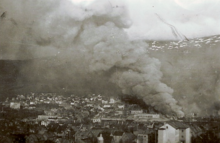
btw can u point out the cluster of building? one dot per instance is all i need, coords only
(197, 42)
(94, 118)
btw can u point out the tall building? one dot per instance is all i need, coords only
(174, 132)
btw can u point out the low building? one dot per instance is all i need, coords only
(15, 105)
(32, 103)
(142, 137)
(100, 139)
(117, 135)
(112, 101)
(106, 106)
(147, 116)
(136, 111)
(121, 106)
(96, 120)
(104, 102)
(89, 105)
(119, 112)
(45, 123)
(46, 117)
(84, 136)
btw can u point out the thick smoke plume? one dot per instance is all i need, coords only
(81, 48)
(192, 69)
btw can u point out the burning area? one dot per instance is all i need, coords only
(81, 49)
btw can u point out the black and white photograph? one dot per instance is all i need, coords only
(109, 71)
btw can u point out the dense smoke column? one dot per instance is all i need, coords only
(84, 43)
(134, 71)
(193, 72)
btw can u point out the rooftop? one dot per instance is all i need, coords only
(178, 125)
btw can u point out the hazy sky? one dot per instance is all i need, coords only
(192, 18)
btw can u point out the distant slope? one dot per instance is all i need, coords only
(10, 77)
(49, 75)
(210, 41)
(192, 69)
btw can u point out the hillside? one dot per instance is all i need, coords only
(192, 69)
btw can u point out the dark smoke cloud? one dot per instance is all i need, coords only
(82, 48)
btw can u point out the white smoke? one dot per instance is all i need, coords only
(91, 40)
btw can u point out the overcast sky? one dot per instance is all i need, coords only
(192, 18)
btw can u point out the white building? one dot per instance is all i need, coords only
(119, 112)
(174, 132)
(47, 117)
(72, 103)
(100, 139)
(45, 123)
(106, 106)
(32, 103)
(96, 120)
(15, 105)
(147, 116)
(142, 138)
(104, 101)
(136, 111)
(112, 101)
(121, 106)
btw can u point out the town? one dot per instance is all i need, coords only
(53, 117)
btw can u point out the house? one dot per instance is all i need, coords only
(106, 106)
(109, 110)
(99, 98)
(46, 117)
(100, 139)
(84, 136)
(128, 137)
(173, 132)
(31, 107)
(47, 102)
(119, 112)
(104, 101)
(104, 137)
(142, 136)
(117, 135)
(89, 104)
(35, 138)
(86, 99)
(32, 103)
(45, 123)
(15, 105)
(112, 101)
(96, 120)
(121, 106)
